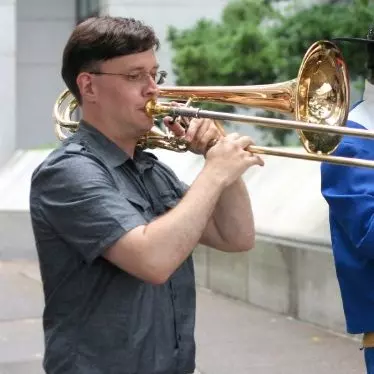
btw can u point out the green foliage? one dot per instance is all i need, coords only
(326, 21)
(254, 44)
(234, 51)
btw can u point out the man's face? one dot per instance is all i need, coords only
(123, 88)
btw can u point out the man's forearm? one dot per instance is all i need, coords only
(170, 239)
(233, 217)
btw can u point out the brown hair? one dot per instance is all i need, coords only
(102, 38)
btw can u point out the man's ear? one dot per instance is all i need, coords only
(86, 87)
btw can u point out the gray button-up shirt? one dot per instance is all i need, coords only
(99, 319)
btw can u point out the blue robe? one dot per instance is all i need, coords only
(349, 192)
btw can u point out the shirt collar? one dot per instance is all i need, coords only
(110, 152)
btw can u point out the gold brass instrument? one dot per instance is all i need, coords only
(318, 98)
(66, 104)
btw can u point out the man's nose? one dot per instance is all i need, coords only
(152, 88)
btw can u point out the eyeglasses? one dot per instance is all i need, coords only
(139, 77)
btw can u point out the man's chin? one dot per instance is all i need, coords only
(146, 121)
(144, 127)
(148, 125)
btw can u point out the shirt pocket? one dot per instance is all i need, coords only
(169, 199)
(141, 205)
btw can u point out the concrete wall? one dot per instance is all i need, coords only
(7, 78)
(43, 27)
(286, 279)
(17, 241)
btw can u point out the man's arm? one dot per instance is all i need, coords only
(76, 196)
(231, 227)
(153, 252)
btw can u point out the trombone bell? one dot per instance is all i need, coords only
(319, 95)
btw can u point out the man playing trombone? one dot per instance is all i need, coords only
(349, 192)
(115, 228)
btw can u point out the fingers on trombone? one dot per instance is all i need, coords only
(204, 134)
(232, 136)
(174, 126)
(244, 141)
(182, 121)
(192, 130)
(257, 160)
(170, 120)
(211, 143)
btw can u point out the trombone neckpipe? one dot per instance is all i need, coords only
(277, 97)
(262, 121)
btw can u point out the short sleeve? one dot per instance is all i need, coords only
(183, 187)
(172, 179)
(78, 198)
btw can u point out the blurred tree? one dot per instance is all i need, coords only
(253, 43)
(232, 51)
(338, 18)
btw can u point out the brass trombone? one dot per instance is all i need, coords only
(318, 98)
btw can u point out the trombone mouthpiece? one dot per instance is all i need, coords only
(154, 109)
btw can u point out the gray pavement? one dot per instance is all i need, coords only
(232, 337)
(21, 302)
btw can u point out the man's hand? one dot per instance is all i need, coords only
(201, 134)
(230, 158)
